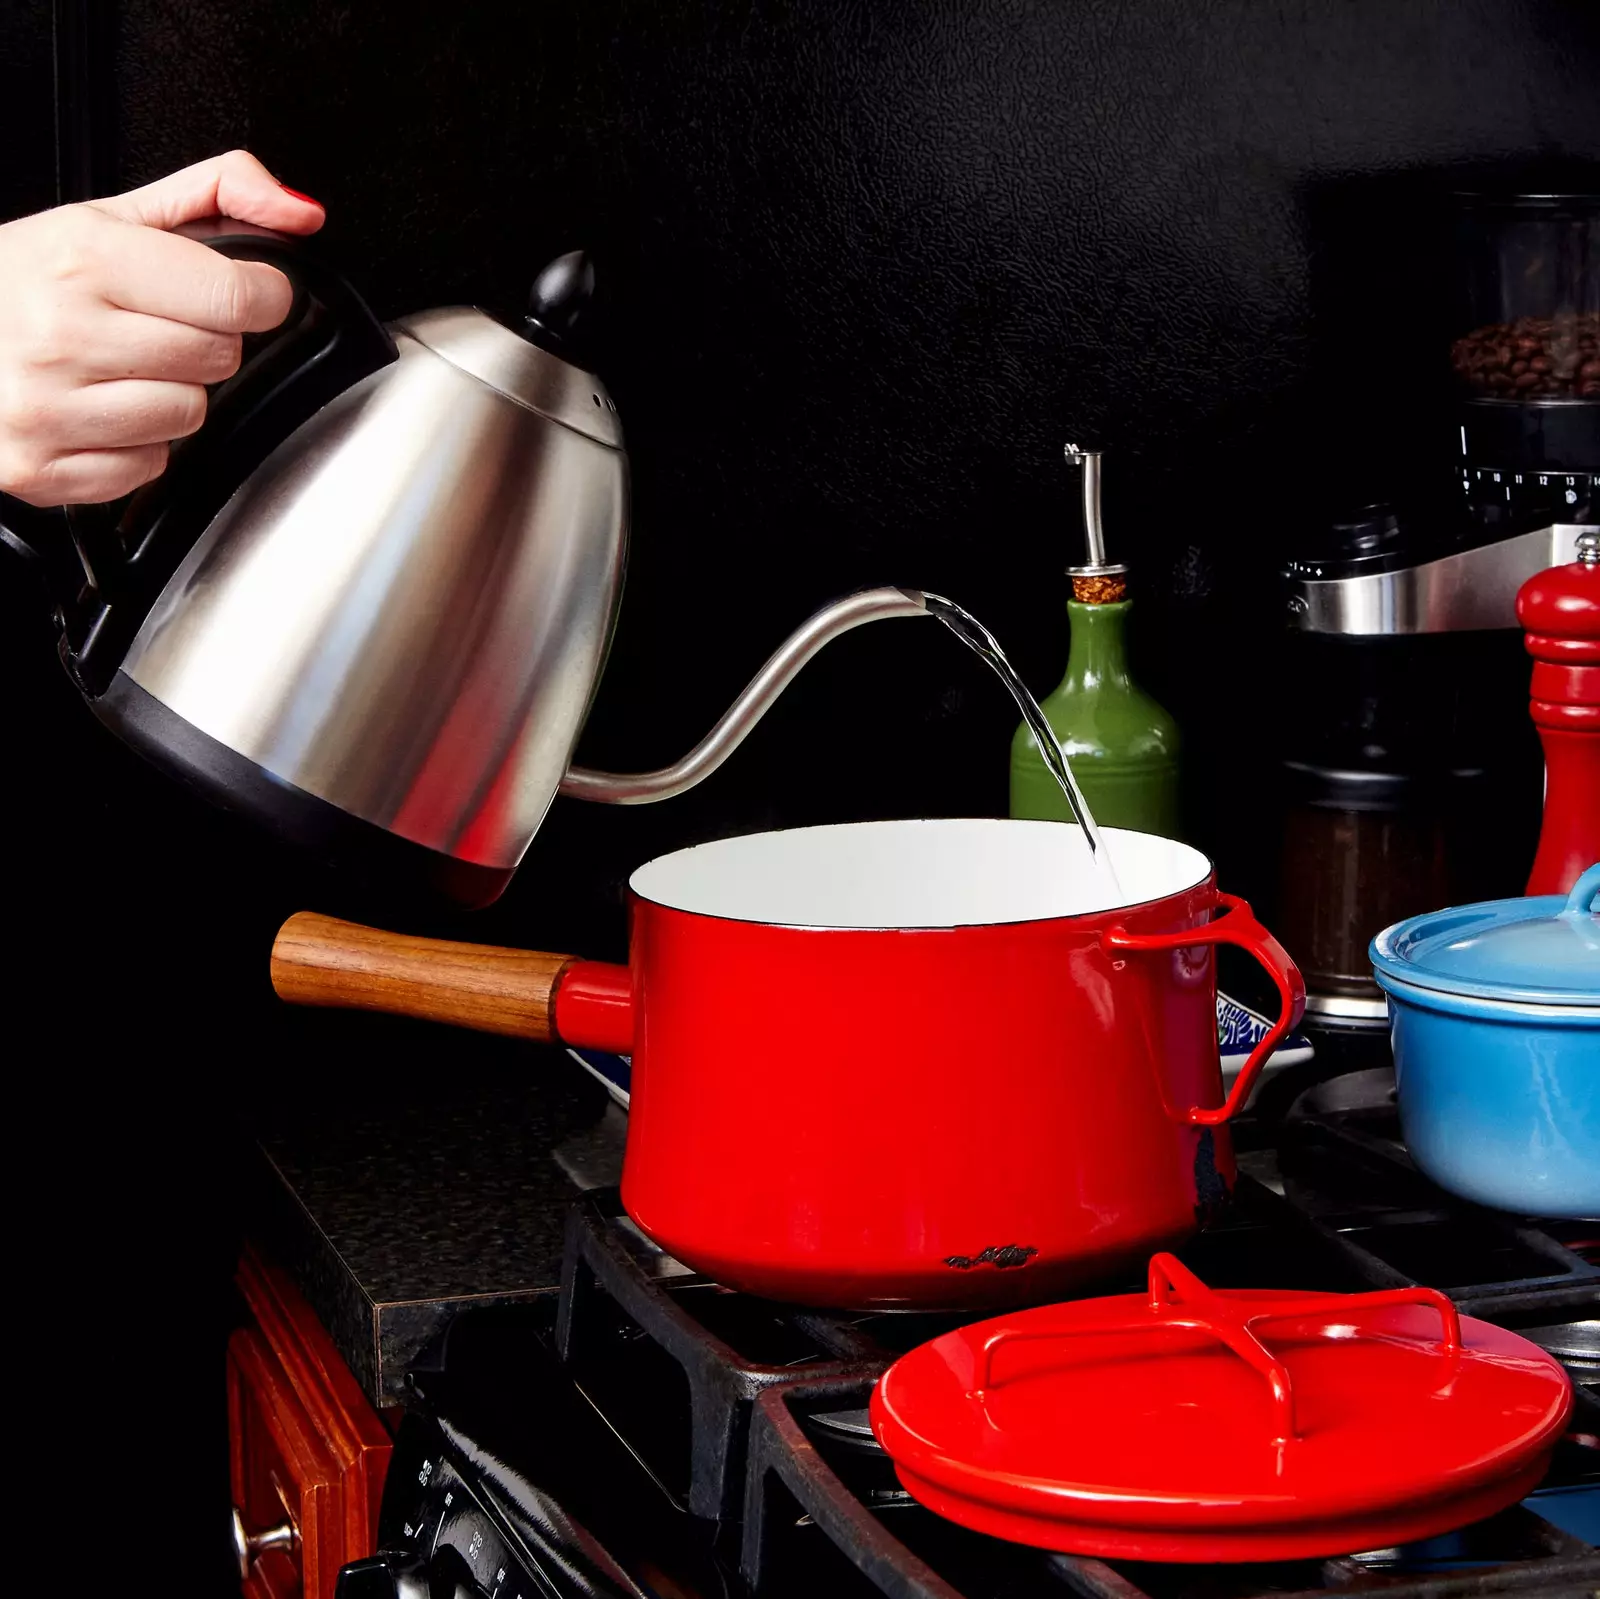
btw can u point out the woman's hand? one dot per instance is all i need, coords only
(110, 326)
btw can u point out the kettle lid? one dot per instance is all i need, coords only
(559, 306)
(536, 366)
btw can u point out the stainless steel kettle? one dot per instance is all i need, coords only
(369, 602)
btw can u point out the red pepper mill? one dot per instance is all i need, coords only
(1560, 611)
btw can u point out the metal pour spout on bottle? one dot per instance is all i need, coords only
(1097, 581)
(1122, 745)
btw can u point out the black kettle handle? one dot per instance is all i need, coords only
(329, 340)
(42, 539)
(122, 553)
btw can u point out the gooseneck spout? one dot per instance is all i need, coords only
(641, 788)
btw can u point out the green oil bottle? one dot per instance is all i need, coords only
(1122, 745)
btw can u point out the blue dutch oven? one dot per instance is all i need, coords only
(1494, 1011)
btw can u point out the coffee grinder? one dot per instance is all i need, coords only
(1527, 360)
(1413, 778)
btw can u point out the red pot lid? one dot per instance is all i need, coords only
(1187, 1424)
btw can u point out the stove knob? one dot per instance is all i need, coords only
(250, 1546)
(383, 1576)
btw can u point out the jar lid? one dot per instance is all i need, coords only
(1195, 1424)
(1543, 950)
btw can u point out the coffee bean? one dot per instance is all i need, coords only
(1531, 357)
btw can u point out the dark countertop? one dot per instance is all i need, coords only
(434, 1175)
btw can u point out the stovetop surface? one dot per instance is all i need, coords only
(655, 1434)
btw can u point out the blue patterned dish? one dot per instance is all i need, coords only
(1240, 1029)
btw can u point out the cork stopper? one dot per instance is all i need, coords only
(1097, 581)
(1099, 590)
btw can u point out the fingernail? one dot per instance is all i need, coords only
(299, 196)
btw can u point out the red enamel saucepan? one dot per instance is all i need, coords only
(920, 1063)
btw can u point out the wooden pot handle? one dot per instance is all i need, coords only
(320, 960)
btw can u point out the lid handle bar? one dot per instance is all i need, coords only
(1180, 1301)
(1585, 892)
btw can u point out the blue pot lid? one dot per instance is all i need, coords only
(1544, 950)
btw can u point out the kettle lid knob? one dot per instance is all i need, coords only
(558, 305)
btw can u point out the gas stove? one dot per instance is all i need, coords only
(652, 1434)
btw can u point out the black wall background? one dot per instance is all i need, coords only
(866, 267)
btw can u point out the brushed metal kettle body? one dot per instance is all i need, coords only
(403, 612)
(369, 602)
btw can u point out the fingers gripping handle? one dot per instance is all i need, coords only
(1237, 925)
(329, 340)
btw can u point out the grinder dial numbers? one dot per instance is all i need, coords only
(1561, 496)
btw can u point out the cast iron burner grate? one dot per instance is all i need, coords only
(820, 1493)
(727, 1348)
(752, 1415)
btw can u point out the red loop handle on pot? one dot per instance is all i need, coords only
(1237, 925)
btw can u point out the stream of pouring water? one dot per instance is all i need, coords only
(981, 641)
